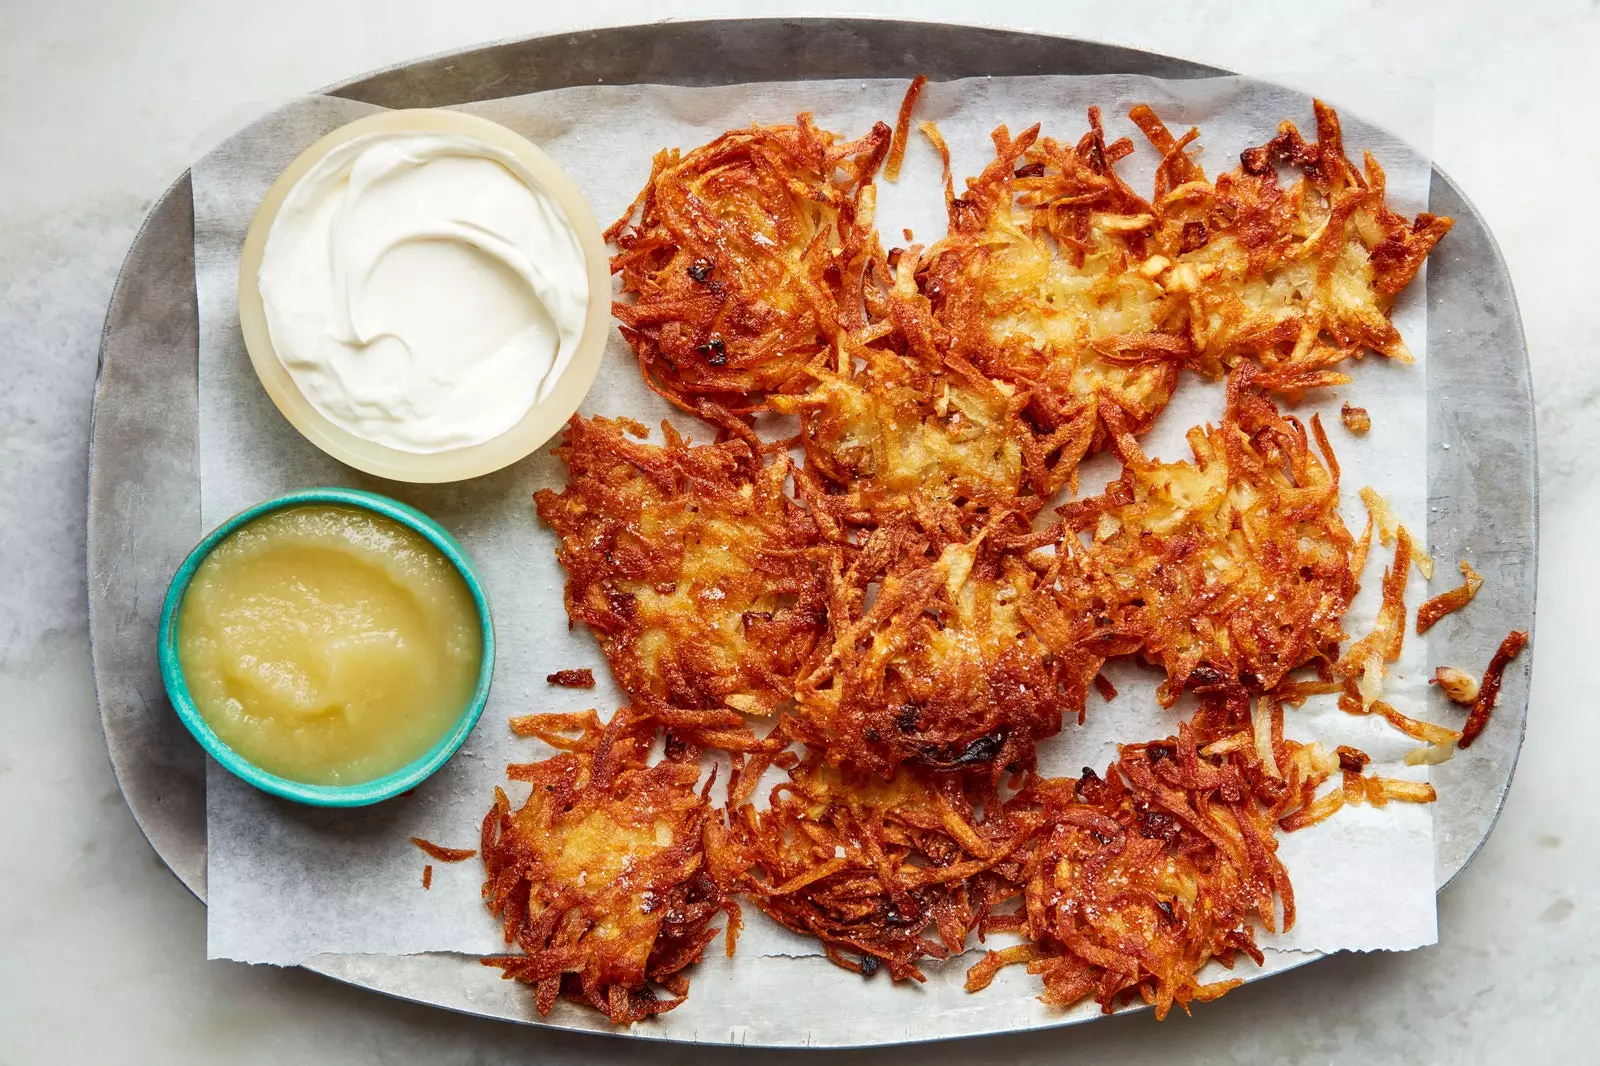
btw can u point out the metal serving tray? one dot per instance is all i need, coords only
(144, 506)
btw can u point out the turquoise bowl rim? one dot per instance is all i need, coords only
(355, 795)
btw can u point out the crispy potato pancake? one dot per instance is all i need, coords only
(600, 877)
(904, 603)
(877, 870)
(1297, 279)
(1234, 568)
(1132, 882)
(744, 260)
(1141, 878)
(1046, 279)
(1057, 277)
(1122, 885)
(703, 581)
(963, 658)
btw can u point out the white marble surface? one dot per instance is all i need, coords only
(101, 950)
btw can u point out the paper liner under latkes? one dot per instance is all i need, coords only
(287, 882)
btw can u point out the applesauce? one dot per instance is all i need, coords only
(329, 645)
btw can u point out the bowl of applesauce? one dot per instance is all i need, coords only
(331, 646)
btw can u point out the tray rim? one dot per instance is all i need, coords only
(351, 87)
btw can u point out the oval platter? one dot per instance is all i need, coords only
(144, 499)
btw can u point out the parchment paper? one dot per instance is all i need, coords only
(287, 882)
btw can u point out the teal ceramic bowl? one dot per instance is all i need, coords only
(357, 795)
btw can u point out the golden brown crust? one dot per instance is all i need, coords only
(600, 877)
(1297, 279)
(1232, 569)
(701, 578)
(1139, 878)
(743, 260)
(1044, 284)
(1122, 885)
(877, 871)
(965, 657)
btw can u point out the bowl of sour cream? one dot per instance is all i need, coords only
(425, 295)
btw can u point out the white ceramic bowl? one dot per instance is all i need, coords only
(542, 420)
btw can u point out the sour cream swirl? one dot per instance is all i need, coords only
(423, 289)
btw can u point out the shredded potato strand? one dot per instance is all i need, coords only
(1489, 688)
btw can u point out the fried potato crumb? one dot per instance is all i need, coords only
(1388, 527)
(1355, 419)
(583, 678)
(1459, 685)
